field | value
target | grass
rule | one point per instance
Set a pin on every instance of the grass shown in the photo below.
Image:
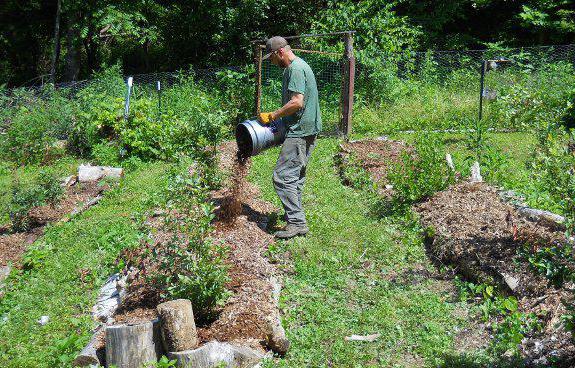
(349, 279)
(89, 242)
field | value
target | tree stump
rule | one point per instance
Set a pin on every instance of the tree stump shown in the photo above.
(132, 346)
(177, 325)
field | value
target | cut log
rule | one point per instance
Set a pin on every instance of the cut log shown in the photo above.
(276, 339)
(216, 354)
(89, 355)
(87, 173)
(132, 346)
(177, 325)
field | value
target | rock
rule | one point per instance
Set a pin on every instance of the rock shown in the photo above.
(177, 325)
(43, 320)
(214, 353)
(87, 173)
(4, 273)
(133, 346)
(475, 173)
(109, 299)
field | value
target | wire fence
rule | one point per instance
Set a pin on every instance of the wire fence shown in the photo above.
(533, 78)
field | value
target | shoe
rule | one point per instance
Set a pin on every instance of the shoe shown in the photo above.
(292, 230)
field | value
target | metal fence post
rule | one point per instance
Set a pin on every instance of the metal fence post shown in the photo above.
(481, 87)
(129, 83)
(258, 64)
(348, 82)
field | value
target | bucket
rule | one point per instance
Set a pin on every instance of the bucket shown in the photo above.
(253, 138)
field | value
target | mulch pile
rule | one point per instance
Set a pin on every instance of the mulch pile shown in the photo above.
(14, 244)
(469, 227)
(241, 222)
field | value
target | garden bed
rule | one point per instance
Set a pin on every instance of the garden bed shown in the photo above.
(14, 244)
(372, 155)
(246, 315)
(470, 228)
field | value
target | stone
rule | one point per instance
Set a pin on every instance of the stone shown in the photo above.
(449, 161)
(215, 354)
(44, 320)
(510, 281)
(177, 325)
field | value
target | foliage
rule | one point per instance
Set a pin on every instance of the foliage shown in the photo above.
(236, 93)
(45, 189)
(509, 325)
(22, 201)
(35, 126)
(189, 264)
(421, 173)
(555, 262)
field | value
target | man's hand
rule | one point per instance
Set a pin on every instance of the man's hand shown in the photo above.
(265, 118)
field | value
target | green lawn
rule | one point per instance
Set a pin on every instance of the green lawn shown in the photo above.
(349, 279)
(54, 288)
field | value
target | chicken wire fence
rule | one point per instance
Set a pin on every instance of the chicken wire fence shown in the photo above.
(514, 76)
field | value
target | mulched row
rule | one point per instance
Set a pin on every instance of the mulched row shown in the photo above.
(471, 229)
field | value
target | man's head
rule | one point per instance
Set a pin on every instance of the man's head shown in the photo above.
(278, 51)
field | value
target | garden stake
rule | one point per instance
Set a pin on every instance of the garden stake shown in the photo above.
(128, 92)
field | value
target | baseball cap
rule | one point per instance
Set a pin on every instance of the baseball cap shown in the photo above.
(273, 44)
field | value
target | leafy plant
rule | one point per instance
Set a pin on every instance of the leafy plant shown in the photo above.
(421, 173)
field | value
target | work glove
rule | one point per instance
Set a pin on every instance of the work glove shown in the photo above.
(265, 118)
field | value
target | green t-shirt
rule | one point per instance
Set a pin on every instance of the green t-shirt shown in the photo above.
(298, 77)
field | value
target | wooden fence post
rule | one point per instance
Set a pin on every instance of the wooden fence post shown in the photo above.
(258, 77)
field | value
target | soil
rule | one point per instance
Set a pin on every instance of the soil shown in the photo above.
(470, 228)
(14, 244)
(373, 155)
(241, 222)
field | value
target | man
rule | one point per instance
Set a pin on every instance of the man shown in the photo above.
(300, 113)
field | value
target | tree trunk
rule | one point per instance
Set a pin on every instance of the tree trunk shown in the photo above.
(178, 326)
(56, 53)
(132, 346)
(72, 50)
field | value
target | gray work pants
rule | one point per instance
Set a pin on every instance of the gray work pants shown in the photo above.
(289, 176)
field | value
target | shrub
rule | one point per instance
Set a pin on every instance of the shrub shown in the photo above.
(34, 125)
(420, 174)
(22, 201)
(190, 264)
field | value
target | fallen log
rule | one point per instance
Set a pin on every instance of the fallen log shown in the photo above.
(216, 354)
(87, 173)
(90, 354)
